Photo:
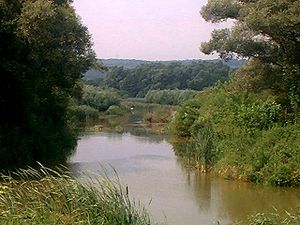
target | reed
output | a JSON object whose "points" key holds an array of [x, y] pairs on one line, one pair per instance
{"points": [[46, 196], [291, 217]]}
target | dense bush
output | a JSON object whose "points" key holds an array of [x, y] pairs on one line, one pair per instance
{"points": [[136, 82], [100, 99], [243, 135], [185, 117], [169, 97], [116, 110], [84, 113]]}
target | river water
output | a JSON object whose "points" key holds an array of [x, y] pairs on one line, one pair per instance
{"points": [[170, 191]]}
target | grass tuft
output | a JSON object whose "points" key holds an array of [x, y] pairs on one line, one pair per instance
{"points": [[46, 196]]}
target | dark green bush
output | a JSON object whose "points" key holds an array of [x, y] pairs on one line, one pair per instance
{"points": [[248, 134], [169, 97], [115, 110], [258, 115], [185, 117], [84, 113], [100, 99]]}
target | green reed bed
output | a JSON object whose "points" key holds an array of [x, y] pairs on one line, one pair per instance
{"points": [[45, 196], [276, 218]]}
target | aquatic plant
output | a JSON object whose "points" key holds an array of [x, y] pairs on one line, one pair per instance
{"points": [[45, 196]]}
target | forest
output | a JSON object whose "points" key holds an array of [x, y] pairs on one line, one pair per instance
{"points": [[137, 81]]}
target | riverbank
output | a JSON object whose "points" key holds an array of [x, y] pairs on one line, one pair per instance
{"points": [[242, 135], [45, 196]]}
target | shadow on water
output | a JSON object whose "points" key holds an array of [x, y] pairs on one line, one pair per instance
{"points": [[236, 200]]}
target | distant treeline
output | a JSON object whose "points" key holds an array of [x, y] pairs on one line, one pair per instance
{"points": [[132, 63], [169, 97], [136, 82]]}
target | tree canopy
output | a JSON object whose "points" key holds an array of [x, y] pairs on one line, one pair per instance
{"points": [[265, 31], [136, 82], [44, 50]]}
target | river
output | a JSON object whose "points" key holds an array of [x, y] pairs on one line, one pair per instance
{"points": [[171, 192]]}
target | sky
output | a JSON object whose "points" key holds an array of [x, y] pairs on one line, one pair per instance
{"points": [[146, 29]]}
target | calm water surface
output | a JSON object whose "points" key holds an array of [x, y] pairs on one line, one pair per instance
{"points": [[148, 165]]}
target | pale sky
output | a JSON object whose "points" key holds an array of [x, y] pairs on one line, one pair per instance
{"points": [[146, 29]]}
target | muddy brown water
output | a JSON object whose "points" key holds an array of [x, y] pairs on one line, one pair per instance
{"points": [[170, 191]]}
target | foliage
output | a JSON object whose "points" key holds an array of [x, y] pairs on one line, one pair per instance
{"points": [[44, 50], [136, 82], [169, 97], [159, 115], [51, 197], [185, 117], [100, 99], [248, 133], [116, 110], [83, 113], [202, 144], [259, 115], [253, 118], [265, 30]]}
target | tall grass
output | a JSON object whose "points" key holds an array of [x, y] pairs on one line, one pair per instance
{"points": [[45, 196], [288, 218]]}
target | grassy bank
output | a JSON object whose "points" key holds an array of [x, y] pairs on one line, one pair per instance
{"points": [[240, 135], [48, 197]]}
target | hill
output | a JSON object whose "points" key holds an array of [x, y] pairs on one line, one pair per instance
{"points": [[132, 63]]}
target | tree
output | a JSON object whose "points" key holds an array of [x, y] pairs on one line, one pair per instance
{"points": [[44, 50], [136, 82], [265, 30]]}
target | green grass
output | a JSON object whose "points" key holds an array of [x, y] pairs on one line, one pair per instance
{"points": [[45, 196], [288, 218]]}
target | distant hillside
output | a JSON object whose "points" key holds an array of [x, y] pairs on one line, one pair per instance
{"points": [[127, 63], [133, 63]]}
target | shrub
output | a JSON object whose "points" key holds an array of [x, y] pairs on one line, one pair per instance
{"points": [[247, 132], [159, 115], [84, 113], [184, 118], [169, 97], [99, 99], [115, 110], [258, 115]]}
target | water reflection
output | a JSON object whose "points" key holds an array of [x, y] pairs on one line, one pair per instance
{"points": [[148, 165], [237, 200]]}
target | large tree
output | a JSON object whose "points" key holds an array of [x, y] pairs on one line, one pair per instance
{"points": [[265, 30], [44, 50]]}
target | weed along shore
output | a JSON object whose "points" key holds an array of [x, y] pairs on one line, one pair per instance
{"points": [[45, 196]]}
